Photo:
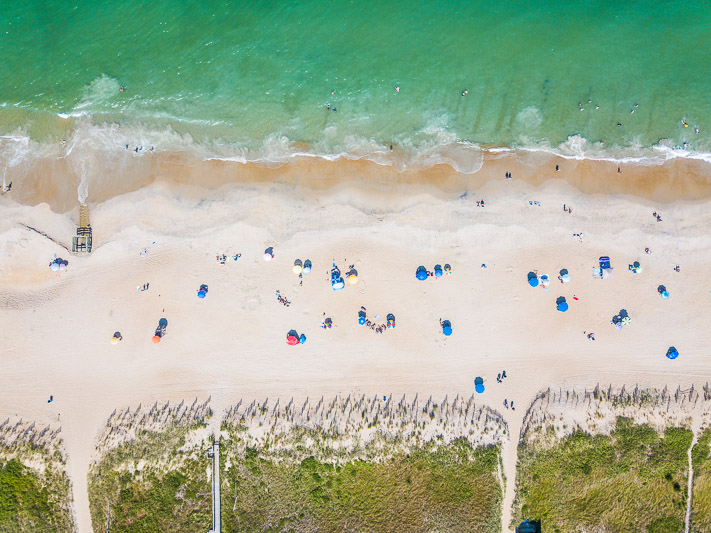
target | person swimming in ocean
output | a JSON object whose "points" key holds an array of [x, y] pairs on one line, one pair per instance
{"points": [[122, 88], [465, 92], [684, 123]]}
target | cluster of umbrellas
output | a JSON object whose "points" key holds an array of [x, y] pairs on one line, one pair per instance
{"points": [[293, 338], [422, 273], [534, 280], [302, 268], [621, 319]]}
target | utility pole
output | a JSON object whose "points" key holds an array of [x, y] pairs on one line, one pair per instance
{"points": [[214, 454]]}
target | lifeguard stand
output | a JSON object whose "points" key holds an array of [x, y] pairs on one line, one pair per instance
{"points": [[81, 242]]}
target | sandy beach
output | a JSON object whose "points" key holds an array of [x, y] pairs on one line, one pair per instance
{"points": [[231, 344]]}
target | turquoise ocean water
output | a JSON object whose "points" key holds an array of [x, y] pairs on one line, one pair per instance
{"points": [[252, 80]]}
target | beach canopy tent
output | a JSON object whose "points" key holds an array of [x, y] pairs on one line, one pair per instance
{"points": [[532, 279], [307, 266], [438, 271], [479, 384], [672, 353], [447, 328], [604, 262], [421, 273]]}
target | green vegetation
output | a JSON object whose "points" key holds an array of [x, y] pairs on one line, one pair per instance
{"points": [[435, 488], [701, 496], [169, 492], [156, 483], [632, 480], [32, 501]]}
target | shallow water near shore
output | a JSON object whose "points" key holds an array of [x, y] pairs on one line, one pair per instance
{"points": [[255, 81]]}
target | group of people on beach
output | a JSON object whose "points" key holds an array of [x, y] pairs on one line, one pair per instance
{"points": [[283, 301]]}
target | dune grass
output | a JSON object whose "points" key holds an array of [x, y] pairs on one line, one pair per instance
{"points": [[152, 486], [632, 480], [32, 500], [450, 487], [701, 496]]}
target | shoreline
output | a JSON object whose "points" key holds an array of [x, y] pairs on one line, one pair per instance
{"points": [[54, 180]]}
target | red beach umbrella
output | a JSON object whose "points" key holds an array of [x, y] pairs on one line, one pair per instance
{"points": [[292, 341]]}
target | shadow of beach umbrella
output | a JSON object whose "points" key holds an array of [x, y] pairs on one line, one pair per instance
{"points": [[479, 384], [307, 266], [438, 271], [298, 266], [421, 273], [672, 353], [532, 279], [447, 328]]}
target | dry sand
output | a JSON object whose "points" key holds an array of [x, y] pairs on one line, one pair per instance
{"points": [[231, 345]]}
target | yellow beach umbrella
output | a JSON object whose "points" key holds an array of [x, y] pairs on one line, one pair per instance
{"points": [[298, 266], [114, 340], [352, 279]]}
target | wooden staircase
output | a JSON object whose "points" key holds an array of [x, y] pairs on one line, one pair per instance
{"points": [[81, 242]]}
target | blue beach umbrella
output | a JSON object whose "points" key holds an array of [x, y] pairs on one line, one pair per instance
{"points": [[447, 328], [438, 271], [563, 307], [672, 353], [665, 295], [302, 339], [201, 294], [532, 279], [421, 273], [479, 385]]}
